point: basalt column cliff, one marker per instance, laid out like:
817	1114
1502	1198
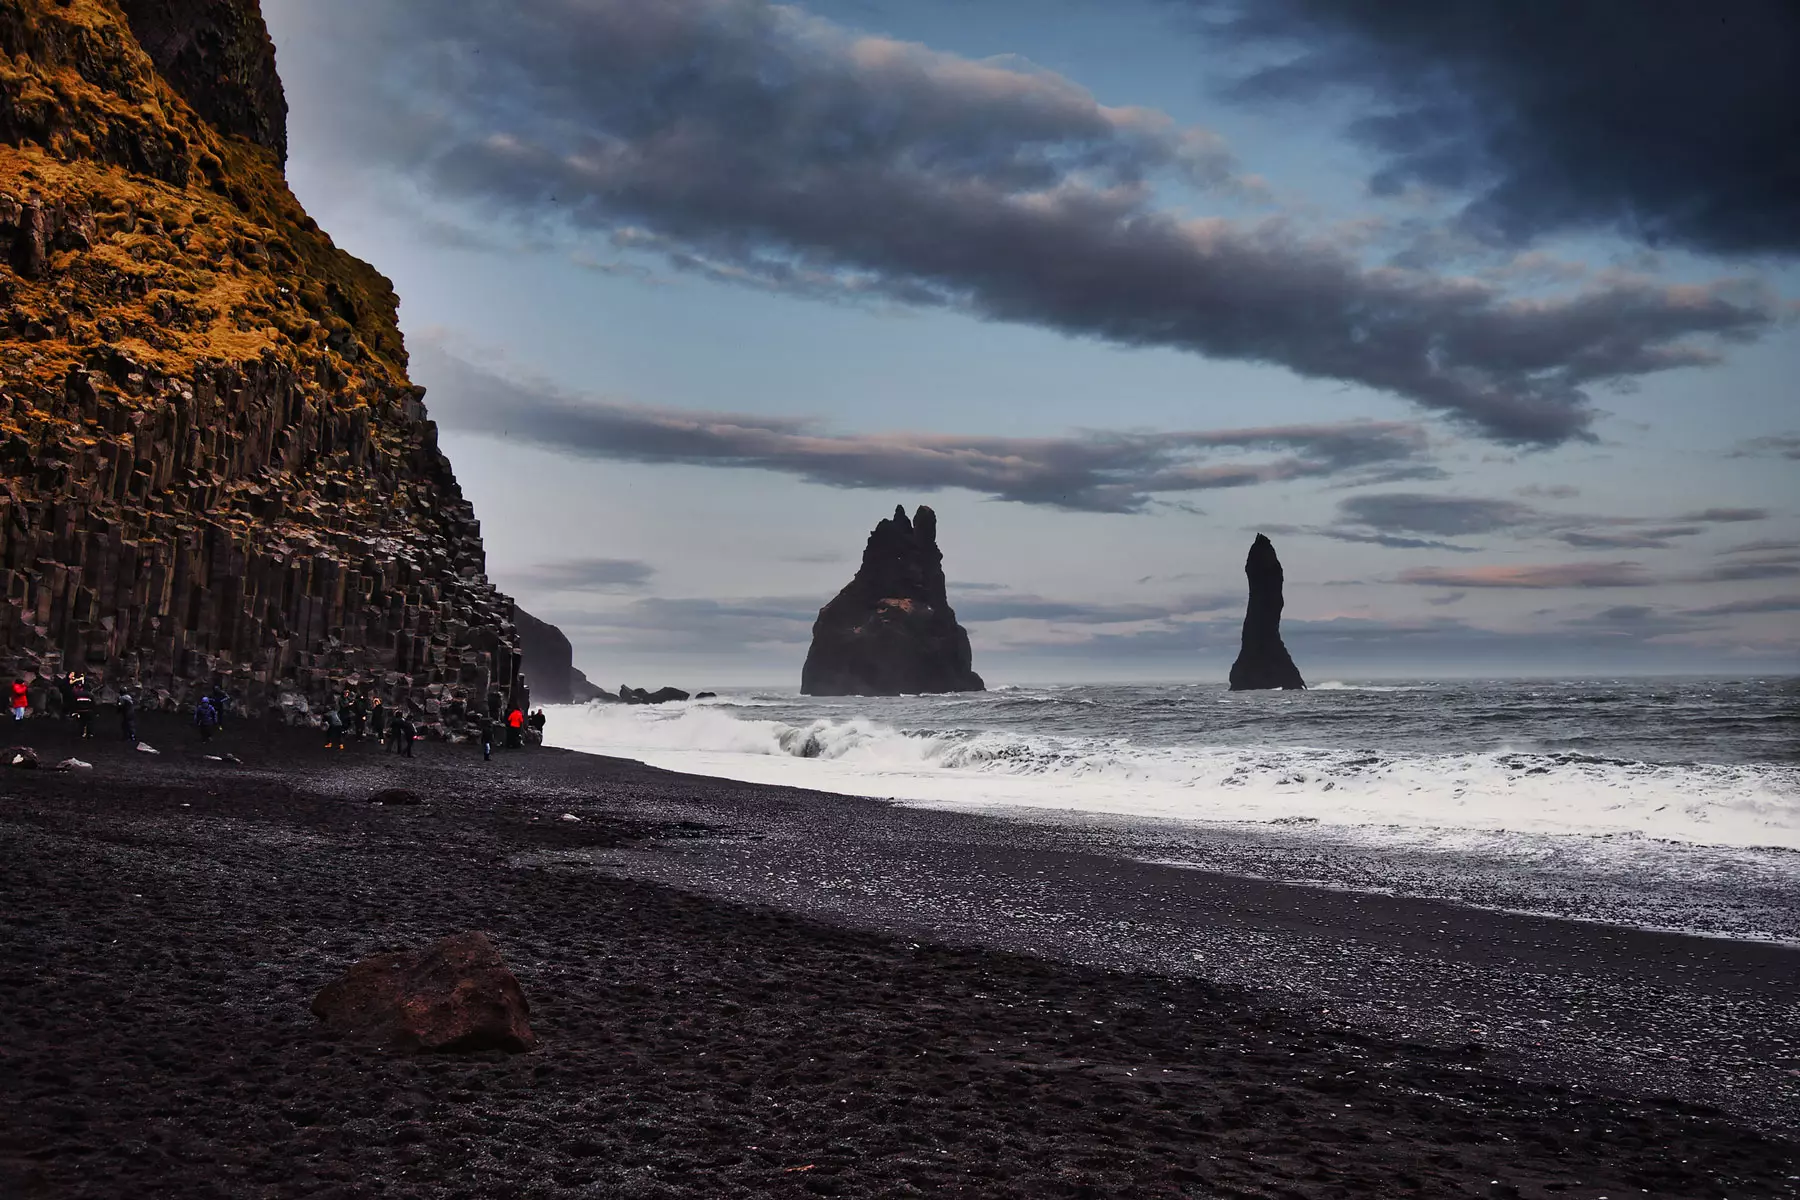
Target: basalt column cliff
891	630
1263	662
212	463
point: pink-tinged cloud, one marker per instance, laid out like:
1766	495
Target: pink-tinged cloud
1543	575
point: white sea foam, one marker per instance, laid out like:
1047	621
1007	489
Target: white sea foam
1753	804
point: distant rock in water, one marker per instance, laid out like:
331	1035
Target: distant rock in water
1263	662
891	630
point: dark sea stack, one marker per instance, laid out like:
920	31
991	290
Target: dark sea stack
454	995
1263	662
892	631
213	466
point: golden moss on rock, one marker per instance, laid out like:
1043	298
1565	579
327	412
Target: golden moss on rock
212	462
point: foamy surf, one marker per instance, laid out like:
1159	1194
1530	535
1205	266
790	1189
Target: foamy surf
1407	794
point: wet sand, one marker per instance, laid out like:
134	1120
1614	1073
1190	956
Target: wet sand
757	991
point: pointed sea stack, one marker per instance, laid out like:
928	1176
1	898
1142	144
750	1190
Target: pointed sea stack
1263	662
892	631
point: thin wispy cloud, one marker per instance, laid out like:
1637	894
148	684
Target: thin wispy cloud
1545	575
585	575
1601	574
750	142
1096	471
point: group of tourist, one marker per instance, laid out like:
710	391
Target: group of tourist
66	695
355	714
359	715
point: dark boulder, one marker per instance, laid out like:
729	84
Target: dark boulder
1263	662
706	695
454	995
892	630
631	695
395	795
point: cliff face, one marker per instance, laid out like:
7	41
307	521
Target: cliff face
212	463
1263	662
891	630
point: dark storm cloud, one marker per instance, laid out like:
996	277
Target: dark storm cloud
586	574
751	142
1113	472
1673	123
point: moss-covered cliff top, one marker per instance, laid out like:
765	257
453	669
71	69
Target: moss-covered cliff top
160	234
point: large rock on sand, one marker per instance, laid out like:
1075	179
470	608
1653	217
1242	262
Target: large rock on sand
454	995
1263	662
892	630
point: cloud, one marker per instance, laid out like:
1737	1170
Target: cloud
1762	546
1726	516
691	626
1447	516
1780	445
1037	608
1767	604
1669	123
1743	570
1547	575
1654	538
585	575
753	143
1383	518
1098	471
1600	574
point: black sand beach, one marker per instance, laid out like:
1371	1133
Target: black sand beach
748	991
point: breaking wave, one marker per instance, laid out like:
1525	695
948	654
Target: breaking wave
1536	790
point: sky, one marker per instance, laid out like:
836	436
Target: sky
1487	314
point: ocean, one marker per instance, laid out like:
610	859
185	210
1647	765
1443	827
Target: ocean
1678	786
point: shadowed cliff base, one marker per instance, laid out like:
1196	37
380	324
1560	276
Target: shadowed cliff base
1263	662
891	631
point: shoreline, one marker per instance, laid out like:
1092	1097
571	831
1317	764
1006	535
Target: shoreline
773	927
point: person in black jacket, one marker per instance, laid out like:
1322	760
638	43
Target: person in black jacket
128	715
82	708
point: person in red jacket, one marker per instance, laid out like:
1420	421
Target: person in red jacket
20	699
515	729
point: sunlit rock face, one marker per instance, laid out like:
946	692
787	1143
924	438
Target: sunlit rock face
212	463
892	631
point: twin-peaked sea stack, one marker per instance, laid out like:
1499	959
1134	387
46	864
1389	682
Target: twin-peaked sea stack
892	631
1263	662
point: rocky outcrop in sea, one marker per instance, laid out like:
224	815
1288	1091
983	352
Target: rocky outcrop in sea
1263	662
213	467
892	631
